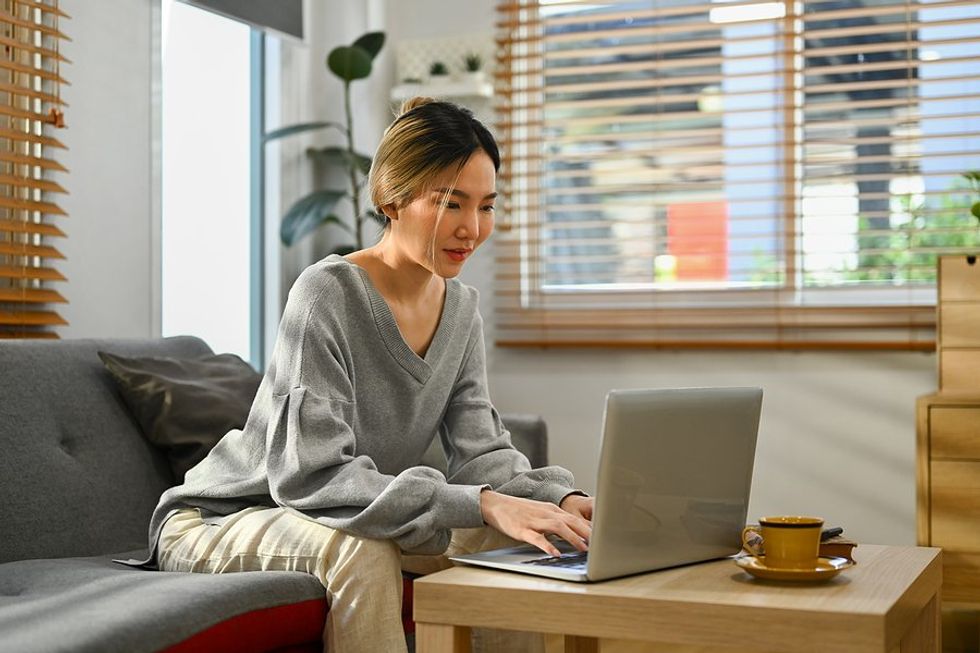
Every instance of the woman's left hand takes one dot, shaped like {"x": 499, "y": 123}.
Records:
{"x": 578, "y": 505}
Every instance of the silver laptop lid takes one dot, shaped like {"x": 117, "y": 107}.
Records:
{"x": 675, "y": 470}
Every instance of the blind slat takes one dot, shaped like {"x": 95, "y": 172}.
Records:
{"x": 27, "y": 182}
{"x": 888, "y": 28}
{"x": 24, "y": 249}
{"x": 31, "y": 296}
{"x": 27, "y": 92}
{"x": 28, "y": 272}
{"x": 6, "y": 64}
{"x": 30, "y": 137}
{"x": 48, "y": 53}
{"x": 812, "y": 107}
{"x": 6, "y": 110}
{"x": 30, "y": 205}
{"x": 46, "y": 7}
{"x": 41, "y": 162}
{"x": 536, "y": 206}
{"x": 31, "y": 318}
{"x": 9, "y": 19}
{"x": 28, "y": 226}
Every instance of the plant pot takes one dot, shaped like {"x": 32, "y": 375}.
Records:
{"x": 958, "y": 323}
{"x": 476, "y": 77}
{"x": 439, "y": 79}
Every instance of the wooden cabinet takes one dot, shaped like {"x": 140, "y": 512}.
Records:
{"x": 958, "y": 324}
{"x": 948, "y": 488}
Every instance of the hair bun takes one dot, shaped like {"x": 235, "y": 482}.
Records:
{"x": 412, "y": 103}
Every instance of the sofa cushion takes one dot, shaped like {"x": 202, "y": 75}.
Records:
{"x": 185, "y": 405}
{"x": 94, "y": 605}
{"x": 77, "y": 476}
{"x": 528, "y": 434}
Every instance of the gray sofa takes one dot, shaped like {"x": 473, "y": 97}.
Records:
{"x": 79, "y": 483}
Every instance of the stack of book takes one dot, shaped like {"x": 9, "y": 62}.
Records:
{"x": 838, "y": 546}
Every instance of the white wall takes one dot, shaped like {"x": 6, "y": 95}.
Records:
{"x": 109, "y": 249}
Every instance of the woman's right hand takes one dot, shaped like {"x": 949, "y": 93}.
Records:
{"x": 530, "y": 521}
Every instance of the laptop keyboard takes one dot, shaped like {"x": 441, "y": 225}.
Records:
{"x": 575, "y": 559}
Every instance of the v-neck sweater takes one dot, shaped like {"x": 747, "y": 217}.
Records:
{"x": 346, "y": 410}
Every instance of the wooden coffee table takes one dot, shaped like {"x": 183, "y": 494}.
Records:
{"x": 888, "y": 602}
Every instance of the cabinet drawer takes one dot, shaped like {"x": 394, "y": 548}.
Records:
{"x": 954, "y": 432}
{"x": 959, "y": 324}
{"x": 959, "y": 370}
{"x": 958, "y": 280}
{"x": 955, "y": 503}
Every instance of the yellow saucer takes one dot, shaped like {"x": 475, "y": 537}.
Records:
{"x": 825, "y": 569}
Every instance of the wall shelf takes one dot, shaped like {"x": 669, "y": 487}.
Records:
{"x": 453, "y": 88}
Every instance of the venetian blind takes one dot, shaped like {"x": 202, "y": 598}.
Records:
{"x": 759, "y": 174}
{"x": 30, "y": 110}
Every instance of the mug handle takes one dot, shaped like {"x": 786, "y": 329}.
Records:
{"x": 752, "y": 544}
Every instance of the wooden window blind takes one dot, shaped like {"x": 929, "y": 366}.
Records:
{"x": 30, "y": 110}
{"x": 738, "y": 174}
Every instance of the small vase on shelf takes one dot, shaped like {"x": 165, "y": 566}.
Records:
{"x": 438, "y": 73}
{"x": 473, "y": 64}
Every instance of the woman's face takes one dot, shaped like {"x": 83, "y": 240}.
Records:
{"x": 467, "y": 219}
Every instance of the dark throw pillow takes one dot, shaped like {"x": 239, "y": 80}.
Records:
{"x": 185, "y": 405}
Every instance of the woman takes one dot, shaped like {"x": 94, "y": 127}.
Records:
{"x": 377, "y": 353}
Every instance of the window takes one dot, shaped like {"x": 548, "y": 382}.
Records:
{"x": 207, "y": 220}
{"x": 733, "y": 173}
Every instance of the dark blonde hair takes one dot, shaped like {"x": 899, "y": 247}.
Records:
{"x": 427, "y": 137}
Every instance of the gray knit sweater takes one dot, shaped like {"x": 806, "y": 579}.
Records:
{"x": 345, "y": 412}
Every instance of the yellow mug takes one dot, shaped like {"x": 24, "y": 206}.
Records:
{"x": 790, "y": 542}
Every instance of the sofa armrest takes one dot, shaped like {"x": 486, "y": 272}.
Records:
{"x": 529, "y": 434}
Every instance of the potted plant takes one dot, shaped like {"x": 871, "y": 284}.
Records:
{"x": 349, "y": 63}
{"x": 438, "y": 72}
{"x": 474, "y": 67}
{"x": 973, "y": 176}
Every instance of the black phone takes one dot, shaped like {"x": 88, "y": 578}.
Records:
{"x": 828, "y": 533}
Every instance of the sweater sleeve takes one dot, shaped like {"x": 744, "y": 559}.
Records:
{"x": 311, "y": 454}
{"x": 478, "y": 446}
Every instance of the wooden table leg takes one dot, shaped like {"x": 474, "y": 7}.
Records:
{"x": 926, "y": 633}
{"x": 440, "y": 638}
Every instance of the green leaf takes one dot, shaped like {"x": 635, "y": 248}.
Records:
{"x": 341, "y": 156}
{"x": 975, "y": 210}
{"x": 344, "y": 250}
{"x": 349, "y": 63}
{"x": 331, "y": 154}
{"x": 307, "y": 214}
{"x": 303, "y": 127}
{"x": 362, "y": 161}
{"x": 333, "y": 219}
{"x": 371, "y": 43}
{"x": 377, "y": 217}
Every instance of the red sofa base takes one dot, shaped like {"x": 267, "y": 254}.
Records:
{"x": 293, "y": 628}
{"x": 284, "y": 627}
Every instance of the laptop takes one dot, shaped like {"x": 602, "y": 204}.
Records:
{"x": 675, "y": 470}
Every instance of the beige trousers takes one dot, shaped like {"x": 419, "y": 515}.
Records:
{"x": 362, "y": 577}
